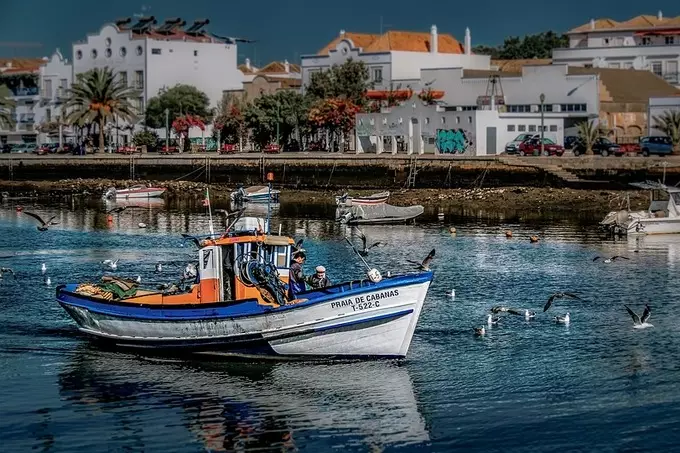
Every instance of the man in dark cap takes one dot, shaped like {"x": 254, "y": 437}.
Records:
{"x": 297, "y": 275}
{"x": 319, "y": 279}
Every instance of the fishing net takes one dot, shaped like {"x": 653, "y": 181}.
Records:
{"x": 111, "y": 288}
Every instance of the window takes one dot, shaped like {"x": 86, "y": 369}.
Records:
{"x": 372, "y": 122}
{"x": 628, "y": 65}
{"x": 79, "y": 54}
{"x": 63, "y": 83}
{"x": 139, "y": 80}
{"x": 532, "y": 128}
{"x": 646, "y": 41}
{"x": 518, "y": 108}
{"x": 522, "y": 128}
{"x": 615, "y": 65}
{"x": 469, "y": 120}
{"x": 427, "y": 121}
{"x": 458, "y": 120}
{"x": 123, "y": 52}
{"x": 107, "y": 52}
{"x": 553, "y": 128}
{"x": 139, "y": 50}
{"x": 108, "y": 42}
{"x": 670, "y": 40}
{"x": 511, "y": 128}
{"x": 48, "y": 88}
{"x": 547, "y": 107}
{"x": 606, "y": 41}
{"x": 93, "y": 53}
{"x": 155, "y": 51}
{"x": 443, "y": 120}
{"x": 140, "y": 103}
{"x": 48, "y": 115}
{"x": 195, "y": 53}
{"x": 573, "y": 108}
{"x": 588, "y": 65}
{"x": 122, "y": 76}
{"x": 657, "y": 68}
{"x": 377, "y": 75}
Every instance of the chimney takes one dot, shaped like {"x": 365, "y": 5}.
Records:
{"x": 342, "y": 32}
{"x": 659, "y": 15}
{"x": 468, "y": 42}
{"x": 286, "y": 65}
{"x": 434, "y": 40}
{"x": 592, "y": 24}
{"x": 248, "y": 63}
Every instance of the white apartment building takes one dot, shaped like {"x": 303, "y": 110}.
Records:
{"x": 151, "y": 57}
{"x": 643, "y": 42}
{"x": 395, "y": 57}
{"x": 56, "y": 77}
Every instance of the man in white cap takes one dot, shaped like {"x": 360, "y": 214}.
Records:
{"x": 319, "y": 279}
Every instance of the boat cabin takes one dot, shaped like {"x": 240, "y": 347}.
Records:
{"x": 664, "y": 201}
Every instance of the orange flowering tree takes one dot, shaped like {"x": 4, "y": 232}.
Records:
{"x": 231, "y": 120}
{"x": 182, "y": 124}
{"x": 337, "y": 116}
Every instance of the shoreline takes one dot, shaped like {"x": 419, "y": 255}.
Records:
{"x": 496, "y": 198}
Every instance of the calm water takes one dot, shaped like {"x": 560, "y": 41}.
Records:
{"x": 596, "y": 385}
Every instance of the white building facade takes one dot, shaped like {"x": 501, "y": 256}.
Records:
{"x": 395, "y": 57}
{"x": 644, "y": 42}
{"x": 56, "y": 78}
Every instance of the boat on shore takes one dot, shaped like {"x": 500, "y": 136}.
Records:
{"x": 237, "y": 303}
{"x": 134, "y": 192}
{"x": 376, "y": 198}
{"x": 378, "y": 214}
{"x": 661, "y": 217}
{"x": 255, "y": 194}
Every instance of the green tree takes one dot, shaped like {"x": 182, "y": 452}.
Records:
{"x": 6, "y": 107}
{"x": 588, "y": 133}
{"x": 146, "y": 138}
{"x": 179, "y": 100}
{"x": 97, "y": 97}
{"x": 669, "y": 123}
{"x": 349, "y": 81}
{"x": 230, "y": 119}
{"x": 286, "y": 109}
{"x": 538, "y": 45}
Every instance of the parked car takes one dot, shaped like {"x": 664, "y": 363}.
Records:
{"x": 23, "y": 148}
{"x": 602, "y": 146}
{"x": 570, "y": 141}
{"x": 127, "y": 149}
{"x": 46, "y": 148}
{"x": 656, "y": 145}
{"x": 550, "y": 148}
{"x": 513, "y": 146}
{"x": 229, "y": 148}
{"x": 6, "y": 148}
{"x": 172, "y": 148}
{"x": 271, "y": 148}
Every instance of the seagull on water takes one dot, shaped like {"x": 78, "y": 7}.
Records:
{"x": 48, "y": 281}
{"x": 43, "y": 268}
{"x": 499, "y": 309}
{"x": 559, "y": 296}
{"x": 425, "y": 265}
{"x": 111, "y": 264}
{"x": 492, "y": 320}
{"x": 480, "y": 331}
{"x": 562, "y": 319}
{"x": 7, "y": 270}
{"x": 640, "y": 322}
{"x": 159, "y": 268}
{"x": 44, "y": 226}
{"x": 366, "y": 247}
{"x": 522, "y": 312}
{"x": 609, "y": 260}
{"x": 138, "y": 279}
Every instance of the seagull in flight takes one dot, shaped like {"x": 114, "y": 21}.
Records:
{"x": 609, "y": 260}
{"x": 559, "y": 296}
{"x": 425, "y": 265}
{"x": 44, "y": 226}
{"x": 298, "y": 247}
{"x": 7, "y": 270}
{"x": 112, "y": 264}
{"x": 119, "y": 209}
{"x": 640, "y": 322}
{"x": 366, "y": 248}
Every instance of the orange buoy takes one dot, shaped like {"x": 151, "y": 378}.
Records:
{"x": 270, "y": 176}
{"x": 20, "y": 208}
{"x": 109, "y": 218}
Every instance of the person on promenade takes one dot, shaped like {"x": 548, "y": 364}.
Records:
{"x": 297, "y": 275}
{"x": 319, "y": 279}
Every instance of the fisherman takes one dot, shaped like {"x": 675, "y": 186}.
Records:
{"x": 297, "y": 275}
{"x": 319, "y": 279}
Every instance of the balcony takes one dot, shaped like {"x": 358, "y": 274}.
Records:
{"x": 138, "y": 85}
{"x": 25, "y": 92}
{"x": 672, "y": 77}
{"x": 26, "y": 127}
{"x": 62, "y": 94}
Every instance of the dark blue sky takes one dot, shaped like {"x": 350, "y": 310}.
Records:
{"x": 287, "y": 29}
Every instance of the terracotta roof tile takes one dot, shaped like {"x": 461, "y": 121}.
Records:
{"x": 362, "y": 40}
{"x": 245, "y": 69}
{"x": 641, "y": 22}
{"x": 517, "y": 65}
{"x": 600, "y": 24}
{"x": 414, "y": 42}
{"x": 277, "y": 67}
{"x": 628, "y": 85}
{"x": 20, "y": 65}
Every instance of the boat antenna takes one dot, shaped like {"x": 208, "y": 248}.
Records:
{"x": 238, "y": 214}
{"x": 358, "y": 254}
{"x": 206, "y": 202}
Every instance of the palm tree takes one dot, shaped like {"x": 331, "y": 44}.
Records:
{"x": 97, "y": 97}
{"x": 6, "y": 106}
{"x": 669, "y": 124}
{"x": 588, "y": 133}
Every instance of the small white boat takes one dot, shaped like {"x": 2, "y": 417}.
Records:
{"x": 134, "y": 192}
{"x": 376, "y": 198}
{"x": 255, "y": 194}
{"x": 662, "y": 216}
{"x": 379, "y": 214}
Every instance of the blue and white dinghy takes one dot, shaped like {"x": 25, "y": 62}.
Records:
{"x": 236, "y": 303}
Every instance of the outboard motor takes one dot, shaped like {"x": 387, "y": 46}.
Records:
{"x": 110, "y": 193}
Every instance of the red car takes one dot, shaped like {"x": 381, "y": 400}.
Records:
{"x": 272, "y": 148}
{"x": 229, "y": 148}
{"x": 550, "y": 148}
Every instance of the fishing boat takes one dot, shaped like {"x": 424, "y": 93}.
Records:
{"x": 661, "y": 217}
{"x": 378, "y": 214}
{"x": 376, "y": 198}
{"x": 255, "y": 194}
{"x": 134, "y": 192}
{"x": 237, "y": 303}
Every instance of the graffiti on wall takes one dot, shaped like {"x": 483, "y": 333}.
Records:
{"x": 210, "y": 142}
{"x": 452, "y": 141}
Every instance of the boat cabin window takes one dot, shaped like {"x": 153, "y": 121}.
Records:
{"x": 659, "y": 195}
{"x": 676, "y": 198}
{"x": 277, "y": 255}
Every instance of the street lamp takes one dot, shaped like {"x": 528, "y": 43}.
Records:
{"x": 542, "y": 99}
{"x": 278, "y": 120}
{"x": 167, "y": 130}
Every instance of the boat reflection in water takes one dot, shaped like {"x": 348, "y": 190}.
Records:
{"x": 243, "y": 406}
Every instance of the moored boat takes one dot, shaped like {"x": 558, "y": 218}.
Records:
{"x": 378, "y": 214}
{"x": 255, "y": 194}
{"x": 237, "y": 303}
{"x": 376, "y": 198}
{"x": 134, "y": 192}
{"x": 661, "y": 217}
